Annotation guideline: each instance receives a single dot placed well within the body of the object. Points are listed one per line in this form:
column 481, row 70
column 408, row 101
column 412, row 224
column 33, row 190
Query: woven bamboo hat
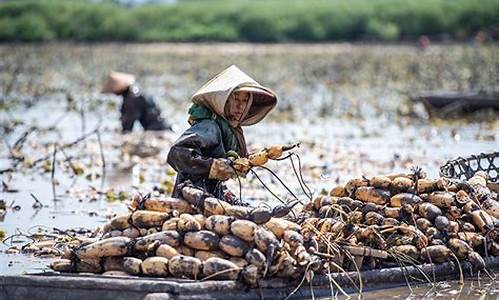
column 117, row 82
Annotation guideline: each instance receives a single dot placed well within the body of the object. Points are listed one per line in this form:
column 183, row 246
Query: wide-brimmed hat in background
column 117, row 82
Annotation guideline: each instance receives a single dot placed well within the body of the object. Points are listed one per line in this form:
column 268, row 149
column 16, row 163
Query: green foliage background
column 245, row 20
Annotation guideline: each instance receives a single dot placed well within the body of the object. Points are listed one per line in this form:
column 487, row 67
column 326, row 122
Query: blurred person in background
column 136, row 106
column 220, row 108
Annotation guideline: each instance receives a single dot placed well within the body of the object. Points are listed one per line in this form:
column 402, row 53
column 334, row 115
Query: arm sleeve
column 130, row 112
column 189, row 153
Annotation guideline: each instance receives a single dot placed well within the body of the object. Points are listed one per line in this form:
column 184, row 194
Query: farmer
column 135, row 106
column 220, row 108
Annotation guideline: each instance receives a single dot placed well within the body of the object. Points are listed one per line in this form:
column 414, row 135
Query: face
column 237, row 104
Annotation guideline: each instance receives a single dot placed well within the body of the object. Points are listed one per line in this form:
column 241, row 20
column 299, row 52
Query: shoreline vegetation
column 317, row 21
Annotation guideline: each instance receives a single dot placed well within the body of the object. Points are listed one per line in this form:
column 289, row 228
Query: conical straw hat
column 117, row 82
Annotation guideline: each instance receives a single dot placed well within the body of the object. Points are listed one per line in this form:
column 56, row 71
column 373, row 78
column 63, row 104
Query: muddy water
column 351, row 139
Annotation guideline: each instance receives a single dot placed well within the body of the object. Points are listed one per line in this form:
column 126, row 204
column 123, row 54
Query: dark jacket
column 192, row 155
column 138, row 107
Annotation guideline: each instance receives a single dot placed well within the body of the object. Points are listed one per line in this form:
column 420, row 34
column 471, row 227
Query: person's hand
column 221, row 169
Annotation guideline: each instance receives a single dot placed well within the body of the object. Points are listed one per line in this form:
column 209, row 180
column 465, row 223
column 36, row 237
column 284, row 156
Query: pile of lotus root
column 395, row 220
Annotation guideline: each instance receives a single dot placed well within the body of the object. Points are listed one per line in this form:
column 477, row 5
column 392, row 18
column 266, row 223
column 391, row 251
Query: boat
column 452, row 102
column 57, row 286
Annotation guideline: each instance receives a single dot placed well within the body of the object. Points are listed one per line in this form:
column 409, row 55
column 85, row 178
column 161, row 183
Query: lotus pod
column 462, row 197
column 373, row 195
column 436, row 254
column 145, row 218
column 204, row 255
column 169, row 237
column 233, row 245
column 407, row 250
column 256, row 258
column 170, row 224
column 168, row 205
column 214, row 206
column 155, row 266
column 460, row 248
column 201, row 240
column 380, row 182
column 181, row 266
column 62, row 265
column 260, row 215
column 115, row 246
column 429, row 211
column 402, row 184
column 113, row 263
column 187, row 223
column 405, row 198
column 166, row 251
column 442, row 199
column 222, row 269
column 426, row 186
column 491, row 207
column 244, row 229
column 219, row 224
column 132, row 265
column 278, row 226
